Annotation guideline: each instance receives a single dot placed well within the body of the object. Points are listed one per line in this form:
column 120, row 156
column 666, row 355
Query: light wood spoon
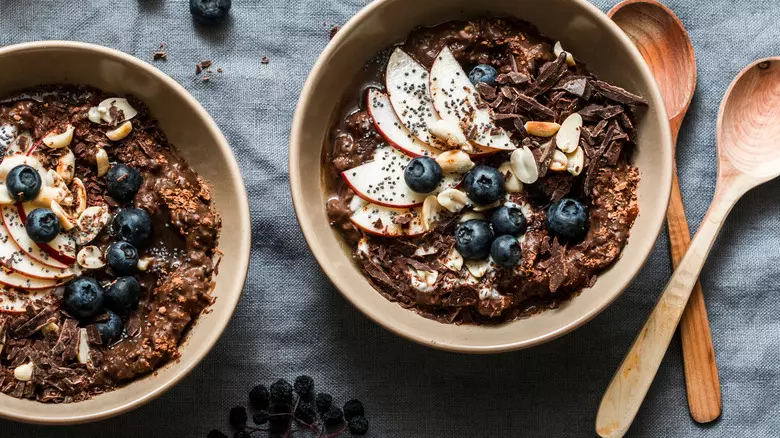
column 748, row 155
column 664, row 43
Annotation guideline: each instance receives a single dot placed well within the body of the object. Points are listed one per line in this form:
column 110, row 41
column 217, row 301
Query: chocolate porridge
column 109, row 244
column 479, row 173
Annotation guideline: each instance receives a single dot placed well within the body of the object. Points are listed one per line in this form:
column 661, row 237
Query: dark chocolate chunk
column 549, row 75
column 618, row 94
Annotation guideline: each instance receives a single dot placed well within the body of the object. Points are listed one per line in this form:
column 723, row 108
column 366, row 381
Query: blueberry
column 111, row 328
column 261, row 417
column 483, row 73
column 123, row 295
column 568, row 220
column 333, row 416
column 83, row 297
column 133, row 225
column 505, row 251
column 42, row 225
column 209, row 11
column 281, row 392
column 123, row 257
column 260, row 397
column 323, row 401
column 23, row 183
column 508, row 220
column 352, row 409
column 123, row 182
column 304, row 387
column 484, row 185
column 358, row 426
column 473, row 239
column 306, row 412
column 423, row 174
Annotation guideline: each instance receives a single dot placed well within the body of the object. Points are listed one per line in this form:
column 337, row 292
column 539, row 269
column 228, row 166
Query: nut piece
column 362, row 247
column 455, row 161
column 511, row 183
column 90, row 223
column 120, row 132
column 576, row 161
column 83, row 354
column 128, row 112
column 453, row 261
column 487, row 207
column 425, row 251
column 478, row 268
column 450, row 134
column 145, row 261
column 94, row 115
column 101, row 158
column 90, row 257
column 81, row 196
column 568, row 138
column 559, row 161
column 66, row 165
column 542, row 129
column 50, row 328
column 24, row 372
column 65, row 221
column 469, row 215
column 423, row 281
column 558, row 49
column 453, row 200
column 524, row 165
column 58, row 141
column 431, row 212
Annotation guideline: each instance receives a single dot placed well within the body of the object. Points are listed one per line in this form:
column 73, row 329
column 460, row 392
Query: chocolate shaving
column 618, row 94
column 93, row 335
column 462, row 296
column 577, row 85
column 487, row 92
column 496, row 103
column 532, row 105
column 596, row 112
column 35, row 323
column 400, row 219
column 597, row 130
column 558, row 267
column 546, row 157
column 628, row 126
column 504, row 116
column 549, row 75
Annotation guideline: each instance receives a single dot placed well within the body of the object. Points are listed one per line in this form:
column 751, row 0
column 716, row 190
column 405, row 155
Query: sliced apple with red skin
column 392, row 128
column 13, row 258
column 381, row 181
column 15, row 226
column 378, row 220
column 16, row 301
column 455, row 98
column 62, row 248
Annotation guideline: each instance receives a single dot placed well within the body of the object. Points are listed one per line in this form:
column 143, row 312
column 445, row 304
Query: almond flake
column 90, row 257
column 453, row 200
column 568, row 137
column 24, row 372
column 58, row 141
column 558, row 49
column 524, row 165
column 101, row 158
column 559, row 161
column 576, row 161
column 455, row 161
column 120, row 132
column 511, row 183
column 542, row 129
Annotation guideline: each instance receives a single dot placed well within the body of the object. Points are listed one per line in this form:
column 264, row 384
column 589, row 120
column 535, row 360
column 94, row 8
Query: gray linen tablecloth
column 292, row 321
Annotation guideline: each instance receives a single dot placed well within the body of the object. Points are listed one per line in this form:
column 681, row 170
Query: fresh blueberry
column 123, row 182
column 209, row 11
column 133, row 225
column 423, row 174
column 484, row 185
column 111, row 328
column 23, row 183
column 508, row 220
column 83, row 297
column 505, row 251
column 42, row 225
column 123, row 257
column 473, row 239
column 483, row 73
column 123, row 295
column 568, row 220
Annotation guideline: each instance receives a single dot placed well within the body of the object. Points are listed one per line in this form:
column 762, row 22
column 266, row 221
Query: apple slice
column 378, row 220
column 455, row 98
column 392, row 128
column 62, row 248
column 16, row 301
column 13, row 258
column 19, row 145
column 409, row 90
column 15, row 226
column 381, row 181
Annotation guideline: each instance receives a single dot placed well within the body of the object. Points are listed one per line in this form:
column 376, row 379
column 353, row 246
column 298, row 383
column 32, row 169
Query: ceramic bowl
column 199, row 140
column 585, row 31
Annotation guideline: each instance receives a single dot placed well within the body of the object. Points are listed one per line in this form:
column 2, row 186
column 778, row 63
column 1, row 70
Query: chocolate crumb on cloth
column 532, row 85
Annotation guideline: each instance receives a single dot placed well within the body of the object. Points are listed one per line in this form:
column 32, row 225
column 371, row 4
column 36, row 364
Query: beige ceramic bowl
column 583, row 30
column 201, row 143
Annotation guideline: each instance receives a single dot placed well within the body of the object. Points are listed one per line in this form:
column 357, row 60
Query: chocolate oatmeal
column 479, row 173
column 108, row 244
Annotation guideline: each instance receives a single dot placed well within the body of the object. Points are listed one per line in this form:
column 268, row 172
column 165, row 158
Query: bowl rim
column 306, row 225
column 179, row 367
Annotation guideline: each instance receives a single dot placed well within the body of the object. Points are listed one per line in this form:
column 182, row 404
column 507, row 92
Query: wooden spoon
column 748, row 155
column 664, row 43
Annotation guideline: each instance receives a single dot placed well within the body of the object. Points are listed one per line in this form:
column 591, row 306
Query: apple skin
column 360, row 220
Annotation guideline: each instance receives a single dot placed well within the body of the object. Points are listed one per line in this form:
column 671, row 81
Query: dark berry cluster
column 282, row 409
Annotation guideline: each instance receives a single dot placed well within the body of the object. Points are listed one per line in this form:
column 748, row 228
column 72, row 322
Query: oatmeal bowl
column 118, row 192
column 492, row 175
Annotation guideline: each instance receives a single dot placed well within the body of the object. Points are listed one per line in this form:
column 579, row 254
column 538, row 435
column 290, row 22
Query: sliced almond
column 24, row 372
column 542, row 129
column 487, row 207
column 94, row 115
column 120, row 132
column 64, row 218
column 431, row 212
column 511, row 183
column 487, row 292
column 453, row 200
column 477, row 268
column 66, row 165
column 90, row 223
column 524, row 165
column 120, row 103
column 144, row 263
column 455, row 161
column 449, row 133
column 90, row 257
column 559, row 161
column 80, row 196
column 568, row 138
column 558, row 49
column 58, row 141
column 50, row 328
column 356, row 203
column 469, row 215
column 83, row 352
column 425, row 251
column 453, row 261
column 101, row 158
column 576, row 161
column 421, row 280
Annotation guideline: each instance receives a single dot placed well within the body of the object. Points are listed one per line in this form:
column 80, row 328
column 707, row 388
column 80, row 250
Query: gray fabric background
column 291, row 320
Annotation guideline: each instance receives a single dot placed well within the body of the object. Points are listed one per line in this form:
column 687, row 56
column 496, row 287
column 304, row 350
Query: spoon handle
column 632, row 380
